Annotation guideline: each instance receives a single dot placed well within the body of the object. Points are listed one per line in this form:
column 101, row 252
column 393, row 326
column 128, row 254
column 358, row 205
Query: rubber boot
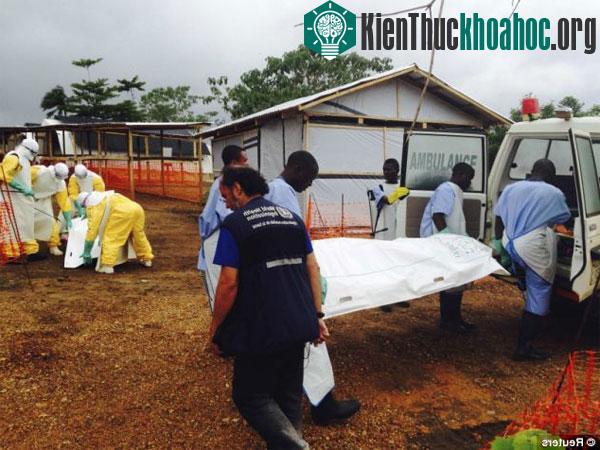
column 331, row 410
column 458, row 313
column 450, row 314
column 529, row 328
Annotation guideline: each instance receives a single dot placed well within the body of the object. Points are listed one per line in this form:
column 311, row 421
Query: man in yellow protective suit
column 83, row 180
column 47, row 183
column 114, row 218
column 15, row 173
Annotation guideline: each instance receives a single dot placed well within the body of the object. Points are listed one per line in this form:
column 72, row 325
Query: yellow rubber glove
column 398, row 194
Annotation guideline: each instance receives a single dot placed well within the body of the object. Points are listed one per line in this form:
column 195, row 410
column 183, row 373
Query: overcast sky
column 185, row 41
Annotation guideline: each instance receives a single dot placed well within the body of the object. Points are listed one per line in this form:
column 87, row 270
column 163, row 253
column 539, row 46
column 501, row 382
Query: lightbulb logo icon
column 329, row 30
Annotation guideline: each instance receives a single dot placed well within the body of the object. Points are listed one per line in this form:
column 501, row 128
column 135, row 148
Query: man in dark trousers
column 267, row 306
column 444, row 214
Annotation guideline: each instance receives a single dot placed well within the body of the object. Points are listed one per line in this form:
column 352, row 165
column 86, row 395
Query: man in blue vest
column 300, row 171
column 267, row 307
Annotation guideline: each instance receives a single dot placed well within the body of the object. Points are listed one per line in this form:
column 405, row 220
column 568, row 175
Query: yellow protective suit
column 93, row 182
column 12, row 168
column 125, row 218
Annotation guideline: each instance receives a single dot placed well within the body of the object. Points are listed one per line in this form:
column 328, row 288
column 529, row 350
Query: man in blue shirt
column 300, row 171
column 444, row 214
column 267, row 306
column 524, row 214
column 214, row 213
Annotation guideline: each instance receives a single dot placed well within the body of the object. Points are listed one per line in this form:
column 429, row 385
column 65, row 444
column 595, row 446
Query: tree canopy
column 100, row 99
column 296, row 74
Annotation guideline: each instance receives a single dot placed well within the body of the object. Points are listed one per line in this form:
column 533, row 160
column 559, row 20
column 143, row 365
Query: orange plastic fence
column 10, row 248
column 175, row 179
column 572, row 406
column 327, row 220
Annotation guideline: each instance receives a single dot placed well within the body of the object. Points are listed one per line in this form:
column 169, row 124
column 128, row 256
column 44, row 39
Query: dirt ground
column 100, row 361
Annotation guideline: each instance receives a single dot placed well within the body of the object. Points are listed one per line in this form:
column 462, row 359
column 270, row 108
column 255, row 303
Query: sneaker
column 147, row 263
column 105, row 269
column 55, row 251
column 331, row 410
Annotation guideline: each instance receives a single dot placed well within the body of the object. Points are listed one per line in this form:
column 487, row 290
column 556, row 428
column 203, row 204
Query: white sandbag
column 367, row 273
column 318, row 373
column 76, row 243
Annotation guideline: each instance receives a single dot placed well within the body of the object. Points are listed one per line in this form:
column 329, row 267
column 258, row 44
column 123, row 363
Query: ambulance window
column 561, row 155
column 589, row 177
column 432, row 156
column 528, row 152
column 596, row 147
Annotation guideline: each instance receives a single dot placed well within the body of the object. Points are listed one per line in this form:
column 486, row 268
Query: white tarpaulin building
column 353, row 128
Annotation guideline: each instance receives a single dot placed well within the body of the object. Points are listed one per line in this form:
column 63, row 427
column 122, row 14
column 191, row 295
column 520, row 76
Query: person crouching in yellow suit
column 114, row 219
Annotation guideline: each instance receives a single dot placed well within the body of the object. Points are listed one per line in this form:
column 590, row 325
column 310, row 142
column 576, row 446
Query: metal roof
column 109, row 126
column 411, row 73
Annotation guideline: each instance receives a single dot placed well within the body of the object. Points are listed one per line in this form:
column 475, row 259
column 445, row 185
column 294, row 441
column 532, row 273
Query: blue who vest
column 274, row 307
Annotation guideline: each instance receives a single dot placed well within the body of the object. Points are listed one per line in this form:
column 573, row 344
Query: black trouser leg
column 267, row 390
column 450, row 304
column 529, row 328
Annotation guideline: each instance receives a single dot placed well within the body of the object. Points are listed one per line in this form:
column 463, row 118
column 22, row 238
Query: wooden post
column 49, row 137
column 64, row 147
column 74, row 147
column 98, row 143
column 200, row 174
column 162, row 164
column 130, row 163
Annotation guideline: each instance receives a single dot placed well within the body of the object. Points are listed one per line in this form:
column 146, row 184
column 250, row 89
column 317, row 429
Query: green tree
column 573, row 103
column 86, row 63
column 296, row 74
column 135, row 84
column 55, row 102
column 171, row 104
column 90, row 99
column 593, row 111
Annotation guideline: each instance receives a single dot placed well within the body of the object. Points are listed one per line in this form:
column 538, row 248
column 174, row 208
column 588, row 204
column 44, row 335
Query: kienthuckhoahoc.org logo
column 329, row 30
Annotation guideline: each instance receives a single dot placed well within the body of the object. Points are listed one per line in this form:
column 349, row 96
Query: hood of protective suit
column 29, row 149
column 80, row 171
column 61, row 171
column 88, row 200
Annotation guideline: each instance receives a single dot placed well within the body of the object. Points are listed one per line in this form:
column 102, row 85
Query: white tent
column 353, row 128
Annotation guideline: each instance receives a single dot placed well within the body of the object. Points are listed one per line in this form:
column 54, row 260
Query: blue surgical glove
column 67, row 215
column 25, row 190
column 80, row 209
column 87, row 252
column 323, row 289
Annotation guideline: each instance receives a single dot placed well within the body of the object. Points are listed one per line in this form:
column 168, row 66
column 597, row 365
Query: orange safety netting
column 10, row 247
column 175, row 179
column 328, row 220
column 572, row 406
